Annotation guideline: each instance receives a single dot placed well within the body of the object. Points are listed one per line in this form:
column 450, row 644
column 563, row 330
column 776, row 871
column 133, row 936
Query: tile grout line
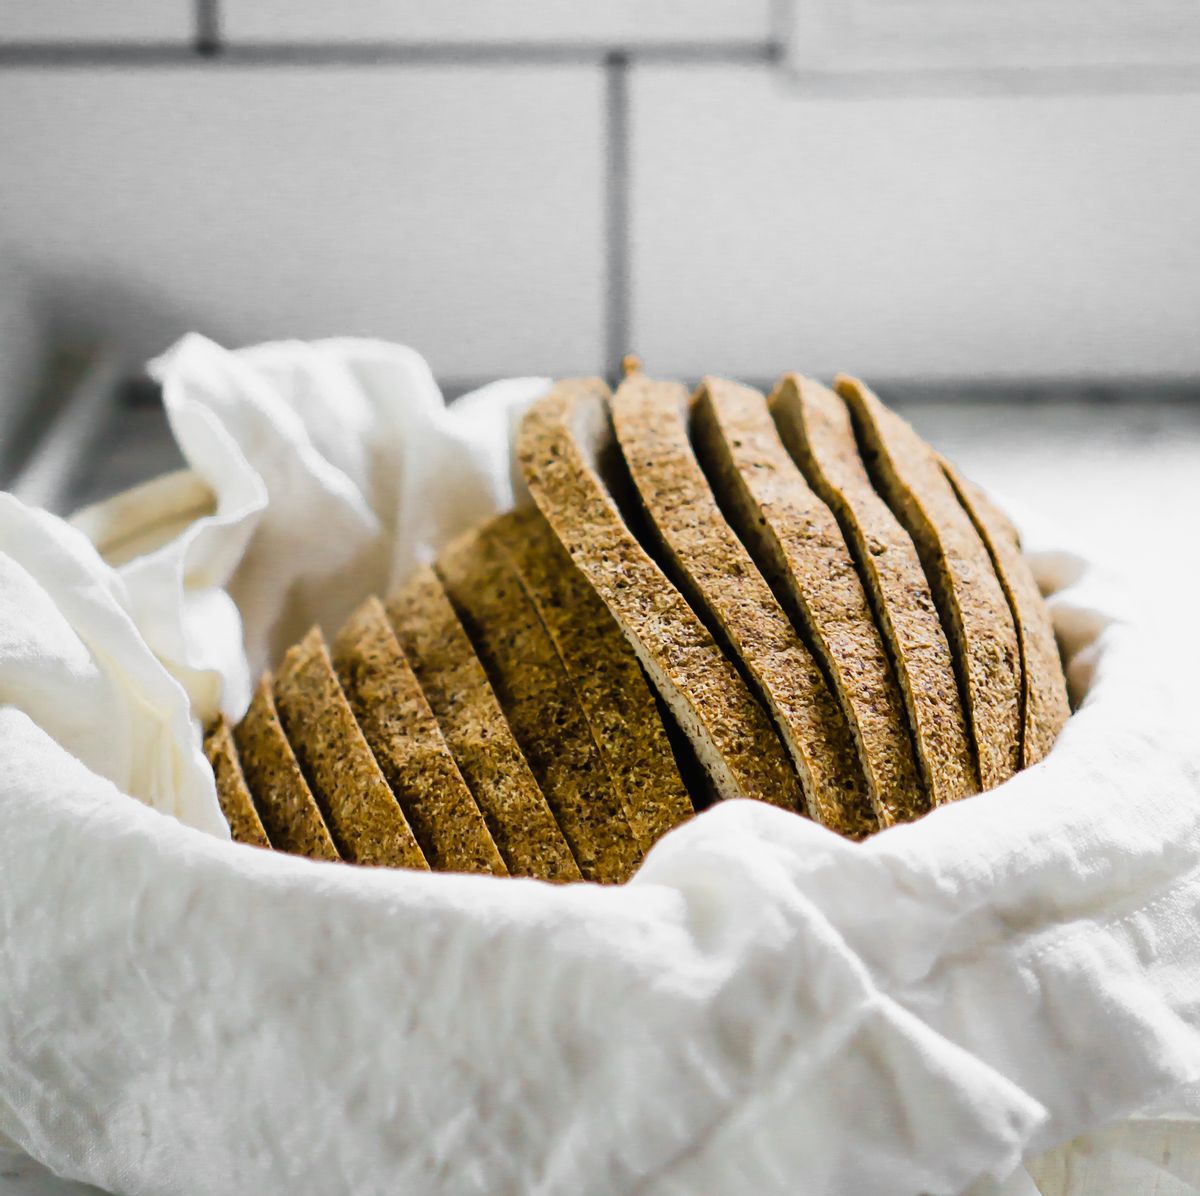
column 208, row 27
column 616, row 211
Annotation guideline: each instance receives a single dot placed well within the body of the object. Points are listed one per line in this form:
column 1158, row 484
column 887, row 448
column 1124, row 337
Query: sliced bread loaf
column 970, row 600
column 408, row 744
column 237, row 805
column 1044, row 705
column 540, row 703
column 816, row 429
column 604, row 672
column 367, row 823
column 569, row 459
column 725, row 588
column 289, row 813
column 477, row 733
column 800, row 549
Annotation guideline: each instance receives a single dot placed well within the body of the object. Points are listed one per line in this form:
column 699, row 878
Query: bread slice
column 799, row 547
column 723, row 585
column 604, row 672
column 477, row 733
column 569, row 459
column 815, row 428
column 537, row 698
column 237, row 805
column 407, row 742
column 1044, row 704
column 367, row 822
column 285, row 803
column 964, row 583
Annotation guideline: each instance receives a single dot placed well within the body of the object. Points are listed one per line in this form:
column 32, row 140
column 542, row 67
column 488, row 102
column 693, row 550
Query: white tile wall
column 630, row 21
column 909, row 238
column 96, row 21
column 459, row 211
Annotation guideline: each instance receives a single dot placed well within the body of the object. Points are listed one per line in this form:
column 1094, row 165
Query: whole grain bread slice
column 289, row 813
column 1044, row 705
column 539, row 702
column 407, row 742
column 965, row 587
column 569, row 459
column 724, row 586
column 815, row 427
column 478, row 734
column 237, row 805
column 799, row 547
column 604, row 672
column 365, row 818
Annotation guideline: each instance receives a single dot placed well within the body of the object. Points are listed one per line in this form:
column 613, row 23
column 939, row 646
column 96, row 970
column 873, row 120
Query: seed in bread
column 478, row 734
column 289, row 813
column 815, row 427
column 237, row 805
column 719, row 578
column 405, row 738
column 569, row 459
column 799, row 547
column 965, row 587
column 604, row 671
column 365, row 818
column 542, row 708
column 1044, row 705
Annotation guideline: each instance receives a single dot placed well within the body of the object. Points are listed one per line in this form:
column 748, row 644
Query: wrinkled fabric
column 765, row 1008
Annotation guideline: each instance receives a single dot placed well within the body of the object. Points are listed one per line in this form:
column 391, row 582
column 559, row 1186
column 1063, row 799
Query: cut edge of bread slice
column 815, row 427
column 408, row 744
column 237, row 805
column 539, row 702
column 722, row 583
column 285, row 803
column 1044, row 704
column 604, row 671
column 969, row 597
column 477, row 733
column 798, row 545
column 571, row 465
column 366, row 820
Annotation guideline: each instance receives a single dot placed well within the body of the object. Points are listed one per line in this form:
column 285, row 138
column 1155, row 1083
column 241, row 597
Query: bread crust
column 815, row 427
column 477, row 733
column 799, row 547
column 561, row 446
column 406, row 740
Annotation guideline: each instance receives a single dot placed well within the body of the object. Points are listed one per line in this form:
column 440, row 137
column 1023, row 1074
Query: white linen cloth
column 764, row 1008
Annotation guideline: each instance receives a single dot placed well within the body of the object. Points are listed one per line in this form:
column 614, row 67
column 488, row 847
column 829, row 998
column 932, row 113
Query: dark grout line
column 209, row 50
column 208, row 27
column 616, row 211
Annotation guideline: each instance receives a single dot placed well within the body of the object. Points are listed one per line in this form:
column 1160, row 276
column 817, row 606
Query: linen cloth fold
column 765, row 1007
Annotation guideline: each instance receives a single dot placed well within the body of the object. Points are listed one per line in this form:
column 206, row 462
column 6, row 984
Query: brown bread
column 285, row 803
column 816, row 429
column 605, row 674
column 478, row 734
column 237, row 805
column 407, row 742
column 797, row 543
column 968, row 594
column 566, row 450
column 367, row 823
